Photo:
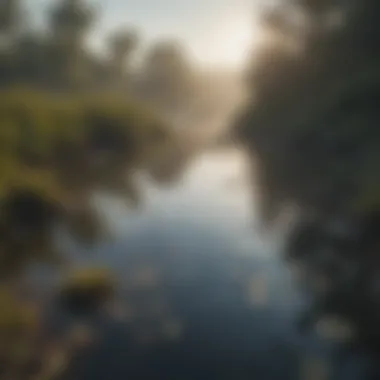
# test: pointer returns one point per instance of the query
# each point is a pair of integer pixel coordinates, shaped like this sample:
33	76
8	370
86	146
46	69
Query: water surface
221	295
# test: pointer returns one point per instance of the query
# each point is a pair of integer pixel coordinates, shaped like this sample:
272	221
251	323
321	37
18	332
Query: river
225	297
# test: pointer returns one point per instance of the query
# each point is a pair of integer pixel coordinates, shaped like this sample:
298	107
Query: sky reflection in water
226	300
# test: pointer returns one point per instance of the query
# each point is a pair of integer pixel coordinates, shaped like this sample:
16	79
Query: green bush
58	150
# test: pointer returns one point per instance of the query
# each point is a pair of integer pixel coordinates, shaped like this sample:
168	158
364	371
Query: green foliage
68	129
313	123
56	151
15	316
61	60
19	325
70	20
313	131
10	17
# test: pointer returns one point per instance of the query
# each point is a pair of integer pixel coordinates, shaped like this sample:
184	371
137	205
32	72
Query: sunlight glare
231	39
235	43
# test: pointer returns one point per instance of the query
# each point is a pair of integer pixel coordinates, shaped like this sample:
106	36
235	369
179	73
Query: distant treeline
57	57
73	122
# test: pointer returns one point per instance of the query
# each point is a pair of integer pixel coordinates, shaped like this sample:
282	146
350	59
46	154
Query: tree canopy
70	127
312	129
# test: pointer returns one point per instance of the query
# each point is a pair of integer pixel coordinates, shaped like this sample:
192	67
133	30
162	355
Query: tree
166	77
10	29
10	18
30	60
70	21
312	128
122	45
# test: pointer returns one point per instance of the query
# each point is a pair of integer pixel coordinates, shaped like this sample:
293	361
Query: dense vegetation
312	129
57	151
70	126
56	56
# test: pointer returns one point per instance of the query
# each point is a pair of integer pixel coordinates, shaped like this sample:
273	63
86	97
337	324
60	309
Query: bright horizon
214	32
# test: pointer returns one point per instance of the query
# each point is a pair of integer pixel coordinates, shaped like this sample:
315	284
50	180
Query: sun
230	40
234	45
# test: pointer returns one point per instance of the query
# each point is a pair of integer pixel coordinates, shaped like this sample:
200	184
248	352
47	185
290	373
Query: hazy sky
214	31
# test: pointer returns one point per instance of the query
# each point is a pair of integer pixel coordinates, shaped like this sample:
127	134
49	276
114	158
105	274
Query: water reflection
200	295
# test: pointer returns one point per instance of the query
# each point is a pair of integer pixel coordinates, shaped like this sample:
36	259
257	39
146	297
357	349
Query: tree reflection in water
48	184
312	130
